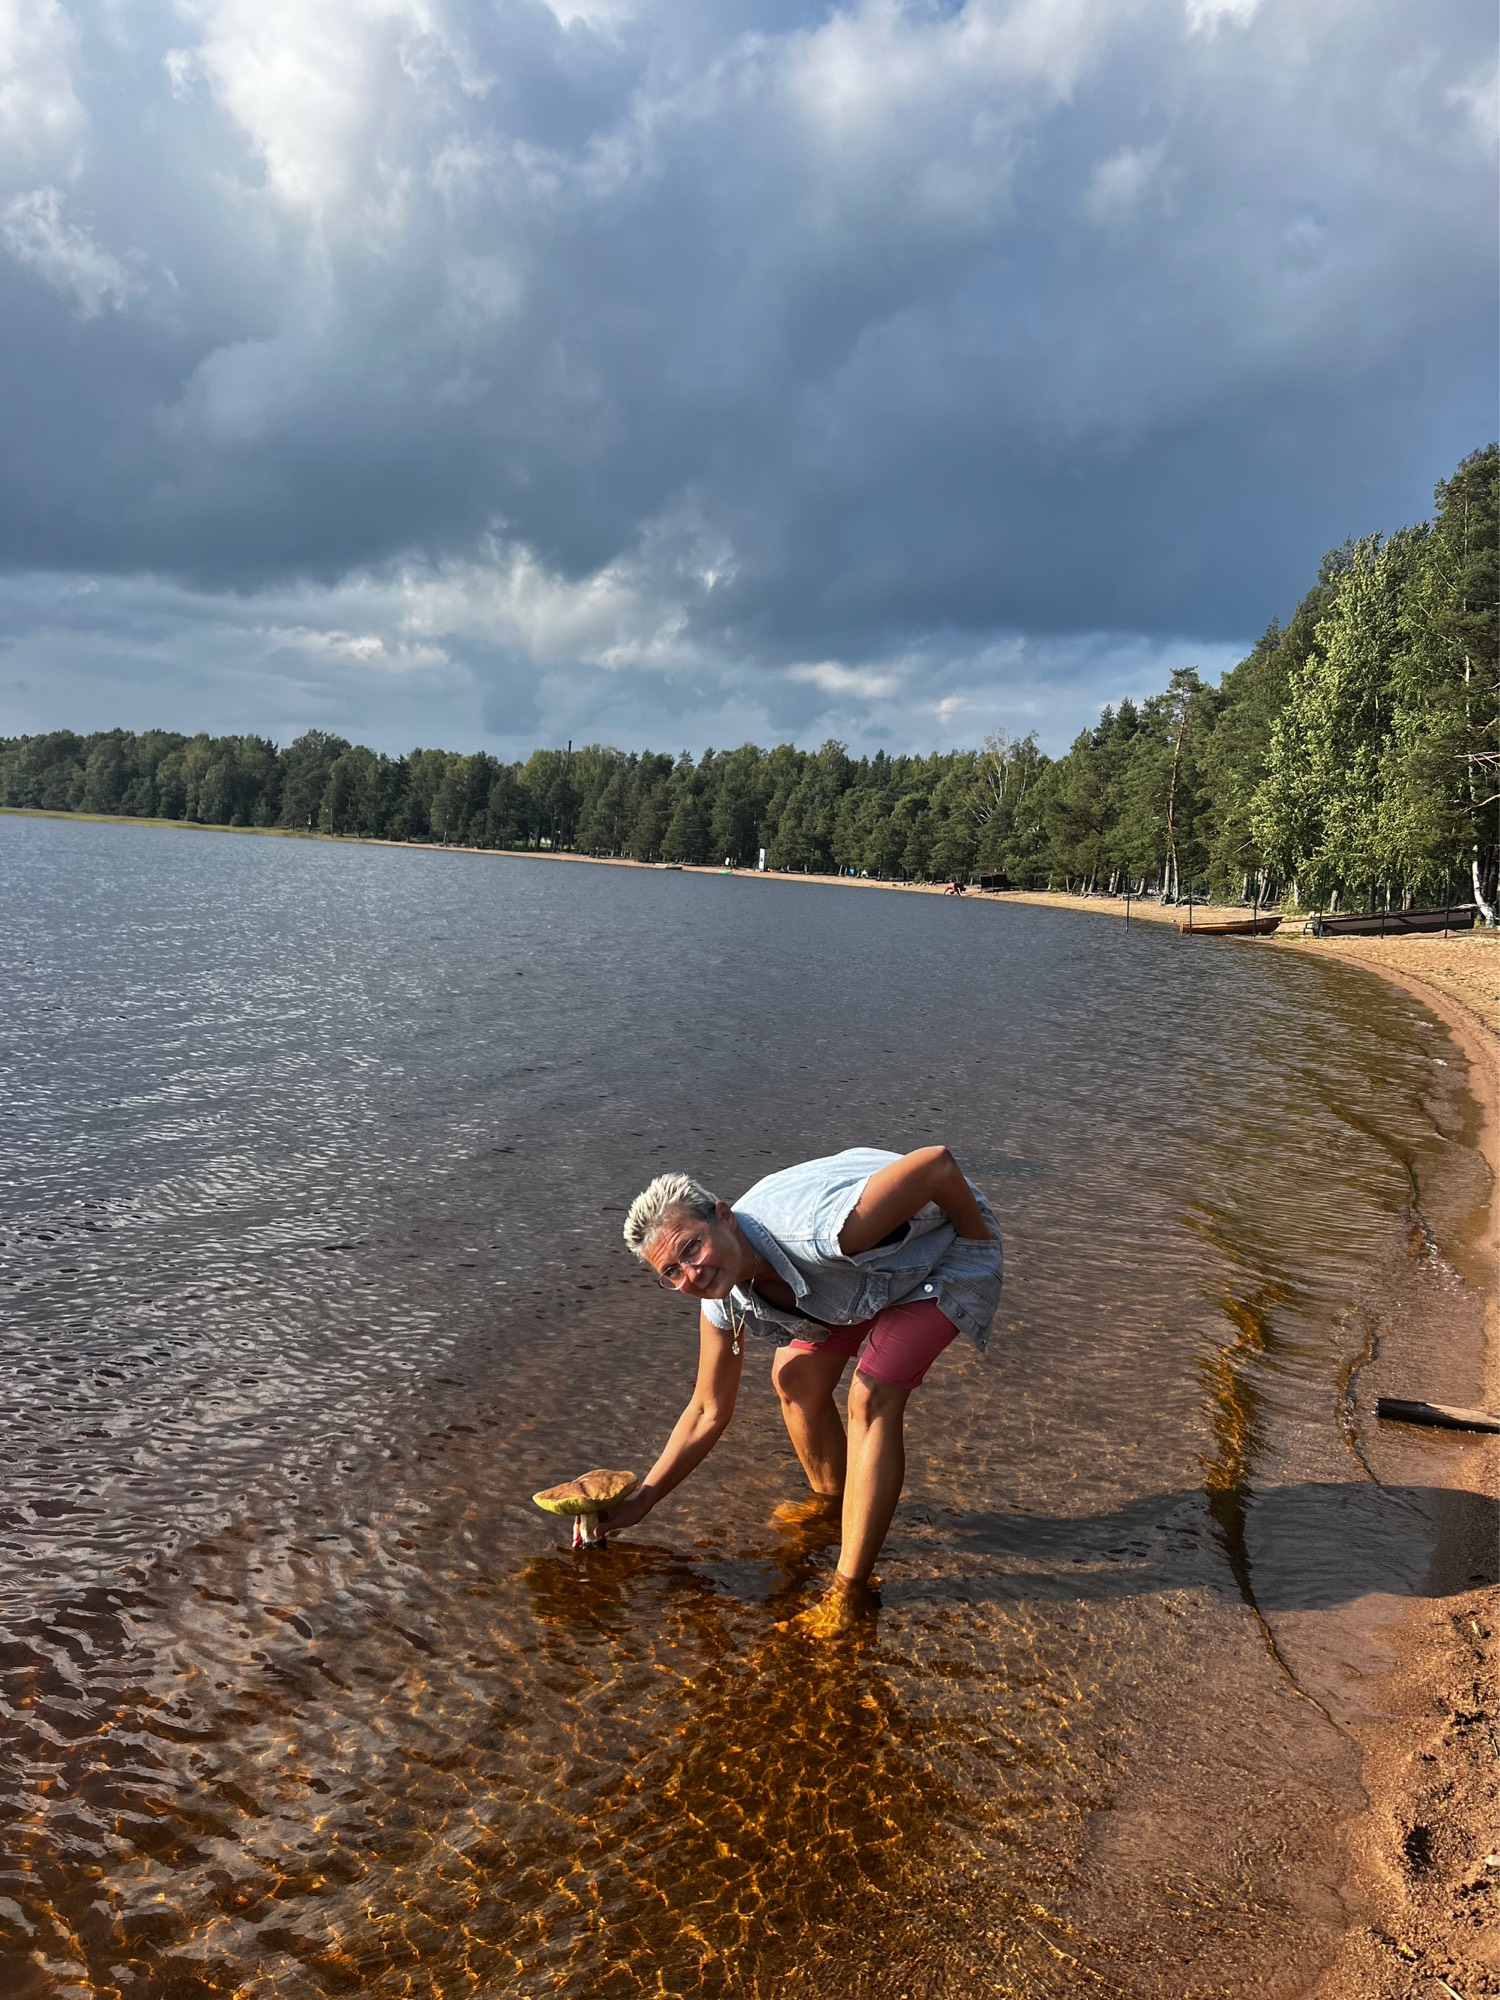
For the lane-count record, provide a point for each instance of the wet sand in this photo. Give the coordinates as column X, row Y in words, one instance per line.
column 1425, row 1859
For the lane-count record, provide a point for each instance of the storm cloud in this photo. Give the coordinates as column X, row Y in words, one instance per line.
column 679, row 374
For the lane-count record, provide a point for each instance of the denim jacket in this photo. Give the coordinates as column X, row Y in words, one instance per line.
column 793, row 1219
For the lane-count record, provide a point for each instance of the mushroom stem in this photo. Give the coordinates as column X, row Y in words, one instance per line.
column 586, row 1532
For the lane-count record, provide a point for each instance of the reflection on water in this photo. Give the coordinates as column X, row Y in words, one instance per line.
column 316, row 1159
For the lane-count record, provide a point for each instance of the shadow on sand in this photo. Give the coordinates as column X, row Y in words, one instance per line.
column 1283, row 1548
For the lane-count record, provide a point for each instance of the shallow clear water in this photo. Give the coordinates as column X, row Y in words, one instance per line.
column 313, row 1169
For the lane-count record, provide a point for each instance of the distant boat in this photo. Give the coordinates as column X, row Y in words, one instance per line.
column 1233, row 927
column 677, row 865
column 1395, row 923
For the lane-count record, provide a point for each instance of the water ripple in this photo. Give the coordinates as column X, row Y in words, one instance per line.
column 309, row 1212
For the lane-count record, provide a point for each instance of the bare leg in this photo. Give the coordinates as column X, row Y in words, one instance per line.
column 877, row 1472
column 805, row 1383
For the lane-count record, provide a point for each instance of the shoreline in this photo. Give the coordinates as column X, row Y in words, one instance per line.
column 1423, row 1871
column 1414, row 1918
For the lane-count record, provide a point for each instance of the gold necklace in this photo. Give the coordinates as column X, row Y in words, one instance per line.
column 737, row 1326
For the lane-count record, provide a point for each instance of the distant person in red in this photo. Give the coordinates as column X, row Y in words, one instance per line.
column 955, row 889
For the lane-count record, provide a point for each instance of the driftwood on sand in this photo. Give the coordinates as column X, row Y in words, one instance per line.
column 1441, row 1416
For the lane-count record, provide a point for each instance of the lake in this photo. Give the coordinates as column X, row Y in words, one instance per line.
column 315, row 1161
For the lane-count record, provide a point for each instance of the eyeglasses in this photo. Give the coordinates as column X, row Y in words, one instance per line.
column 670, row 1276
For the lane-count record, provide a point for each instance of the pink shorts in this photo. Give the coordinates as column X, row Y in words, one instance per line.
column 897, row 1346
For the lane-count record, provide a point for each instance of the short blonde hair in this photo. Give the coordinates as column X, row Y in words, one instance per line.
column 666, row 1194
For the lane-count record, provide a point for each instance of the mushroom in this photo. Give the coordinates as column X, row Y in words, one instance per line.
column 585, row 1500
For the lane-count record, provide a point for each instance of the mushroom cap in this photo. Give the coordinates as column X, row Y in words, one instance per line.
column 594, row 1493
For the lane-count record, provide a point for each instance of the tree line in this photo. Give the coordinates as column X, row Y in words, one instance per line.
column 1354, row 754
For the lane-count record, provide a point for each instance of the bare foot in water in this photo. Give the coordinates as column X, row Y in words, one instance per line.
column 816, row 1511
column 842, row 1606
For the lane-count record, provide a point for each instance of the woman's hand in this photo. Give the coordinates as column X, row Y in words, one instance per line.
column 894, row 1194
column 636, row 1508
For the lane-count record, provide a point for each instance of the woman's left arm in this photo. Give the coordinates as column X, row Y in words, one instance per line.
column 894, row 1194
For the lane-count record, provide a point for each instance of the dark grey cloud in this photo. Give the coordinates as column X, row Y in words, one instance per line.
column 603, row 368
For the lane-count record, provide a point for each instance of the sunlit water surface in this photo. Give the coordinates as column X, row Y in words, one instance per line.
column 313, row 1170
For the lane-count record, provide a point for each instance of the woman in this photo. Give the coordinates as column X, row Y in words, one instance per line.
column 869, row 1256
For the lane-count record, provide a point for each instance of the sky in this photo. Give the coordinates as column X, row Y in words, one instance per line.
column 494, row 373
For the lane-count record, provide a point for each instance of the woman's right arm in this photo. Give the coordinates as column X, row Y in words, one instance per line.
column 696, row 1431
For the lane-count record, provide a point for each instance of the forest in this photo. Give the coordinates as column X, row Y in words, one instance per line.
column 1353, row 755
